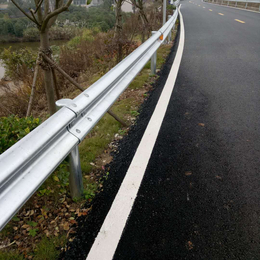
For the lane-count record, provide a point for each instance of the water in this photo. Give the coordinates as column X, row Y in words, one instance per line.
column 19, row 45
column 2, row 71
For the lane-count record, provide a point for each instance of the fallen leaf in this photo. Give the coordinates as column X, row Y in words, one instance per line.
column 201, row 124
column 25, row 226
column 72, row 221
column 189, row 245
column 66, row 226
column 188, row 173
column 55, row 178
column 218, row 177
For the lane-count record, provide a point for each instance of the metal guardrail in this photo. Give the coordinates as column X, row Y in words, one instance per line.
column 244, row 1
column 236, row 2
column 28, row 163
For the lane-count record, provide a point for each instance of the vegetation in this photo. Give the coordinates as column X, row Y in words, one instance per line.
column 13, row 129
column 100, row 17
column 18, row 28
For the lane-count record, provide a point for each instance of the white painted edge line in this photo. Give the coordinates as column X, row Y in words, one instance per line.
column 242, row 9
column 106, row 242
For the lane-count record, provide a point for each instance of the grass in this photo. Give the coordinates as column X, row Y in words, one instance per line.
column 11, row 255
column 101, row 136
column 49, row 248
column 46, row 249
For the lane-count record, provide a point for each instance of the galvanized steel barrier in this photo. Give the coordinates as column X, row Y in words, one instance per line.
column 246, row 4
column 28, row 163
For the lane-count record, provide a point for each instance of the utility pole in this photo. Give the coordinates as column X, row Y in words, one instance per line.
column 164, row 12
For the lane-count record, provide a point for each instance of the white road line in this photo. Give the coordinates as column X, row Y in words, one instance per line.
column 110, row 233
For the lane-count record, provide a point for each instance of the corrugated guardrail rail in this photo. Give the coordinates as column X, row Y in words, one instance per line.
column 253, row 4
column 28, row 163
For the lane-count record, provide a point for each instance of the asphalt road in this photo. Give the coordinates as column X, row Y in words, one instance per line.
column 200, row 196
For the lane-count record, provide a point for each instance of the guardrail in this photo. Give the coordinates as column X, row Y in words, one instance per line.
column 28, row 163
column 246, row 4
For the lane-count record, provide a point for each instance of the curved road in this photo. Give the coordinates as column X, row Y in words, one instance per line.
column 200, row 195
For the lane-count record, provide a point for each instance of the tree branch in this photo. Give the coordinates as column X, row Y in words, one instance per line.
column 38, row 6
column 35, row 20
column 31, row 18
column 54, row 13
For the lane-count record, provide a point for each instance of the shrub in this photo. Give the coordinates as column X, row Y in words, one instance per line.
column 63, row 33
column 13, row 128
column 19, row 62
column 31, row 34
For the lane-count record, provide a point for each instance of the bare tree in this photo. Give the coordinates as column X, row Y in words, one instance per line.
column 44, row 16
column 119, row 28
column 139, row 4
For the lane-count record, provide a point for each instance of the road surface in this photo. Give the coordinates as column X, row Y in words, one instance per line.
column 200, row 194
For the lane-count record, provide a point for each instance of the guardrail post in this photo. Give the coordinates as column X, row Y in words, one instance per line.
column 228, row 3
column 153, row 59
column 246, row 5
column 170, row 33
column 236, row 4
column 75, row 178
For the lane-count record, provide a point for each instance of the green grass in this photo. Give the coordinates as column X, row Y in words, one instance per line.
column 102, row 135
column 11, row 255
column 48, row 248
column 141, row 79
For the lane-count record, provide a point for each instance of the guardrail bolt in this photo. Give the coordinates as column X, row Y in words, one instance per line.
column 75, row 178
column 153, row 59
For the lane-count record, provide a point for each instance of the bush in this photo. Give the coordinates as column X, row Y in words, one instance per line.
column 13, row 128
column 31, row 34
column 18, row 62
column 63, row 33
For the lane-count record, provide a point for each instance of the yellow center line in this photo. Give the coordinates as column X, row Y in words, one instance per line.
column 210, row 10
column 220, row 14
column 239, row 21
column 199, row 5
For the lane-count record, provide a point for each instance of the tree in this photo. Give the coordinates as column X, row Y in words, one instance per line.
column 139, row 4
column 119, row 28
column 44, row 16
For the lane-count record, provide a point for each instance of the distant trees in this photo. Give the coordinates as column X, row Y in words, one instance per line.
column 13, row 27
column 101, row 17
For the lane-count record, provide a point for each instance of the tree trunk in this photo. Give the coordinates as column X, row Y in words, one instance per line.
column 48, row 80
column 118, row 30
